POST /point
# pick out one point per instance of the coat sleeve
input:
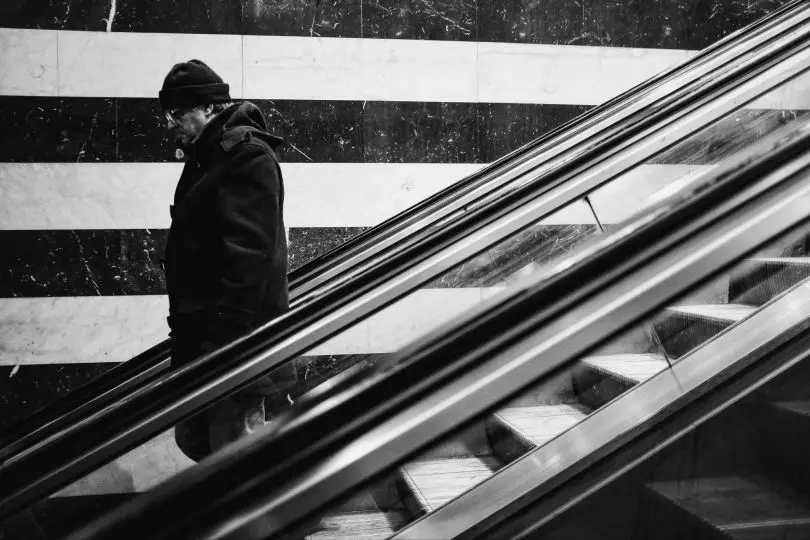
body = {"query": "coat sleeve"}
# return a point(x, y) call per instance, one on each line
point(248, 217)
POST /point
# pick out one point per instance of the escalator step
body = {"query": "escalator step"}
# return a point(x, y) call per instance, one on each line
point(728, 313)
point(758, 280)
point(684, 328)
point(634, 368)
point(542, 423)
point(359, 525)
point(736, 504)
point(598, 380)
point(437, 481)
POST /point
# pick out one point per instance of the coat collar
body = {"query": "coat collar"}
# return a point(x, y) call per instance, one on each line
point(211, 136)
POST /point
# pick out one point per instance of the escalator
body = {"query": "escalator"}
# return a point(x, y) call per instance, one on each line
point(662, 397)
point(599, 127)
point(730, 115)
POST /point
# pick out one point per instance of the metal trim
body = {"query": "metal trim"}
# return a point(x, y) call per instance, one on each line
point(561, 342)
point(263, 362)
point(706, 60)
point(395, 288)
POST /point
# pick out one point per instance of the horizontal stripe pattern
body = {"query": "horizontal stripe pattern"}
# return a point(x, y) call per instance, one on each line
point(49, 129)
point(121, 262)
point(689, 24)
point(61, 63)
point(75, 329)
point(87, 171)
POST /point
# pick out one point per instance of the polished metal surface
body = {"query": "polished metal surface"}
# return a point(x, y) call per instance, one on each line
point(561, 342)
point(555, 152)
point(382, 296)
point(770, 325)
point(405, 282)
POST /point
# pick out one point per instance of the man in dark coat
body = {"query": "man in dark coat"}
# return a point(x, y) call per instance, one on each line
point(226, 253)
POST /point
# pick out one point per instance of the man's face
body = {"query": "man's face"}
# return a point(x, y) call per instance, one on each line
point(186, 124)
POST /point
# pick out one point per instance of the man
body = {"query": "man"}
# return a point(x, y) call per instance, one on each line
point(226, 253)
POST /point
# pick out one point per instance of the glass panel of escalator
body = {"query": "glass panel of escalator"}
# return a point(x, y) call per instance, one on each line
point(522, 427)
point(548, 411)
point(741, 474)
point(771, 115)
point(692, 75)
point(366, 342)
point(93, 392)
point(530, 250)
point(730, 464)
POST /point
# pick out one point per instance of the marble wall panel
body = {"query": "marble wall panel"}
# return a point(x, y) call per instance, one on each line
point(41, 263)
point(29, 62)
point(41, 196)
point(682, 24)
point(133, 130)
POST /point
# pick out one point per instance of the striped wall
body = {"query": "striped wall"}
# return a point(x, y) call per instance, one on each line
point(382, 103)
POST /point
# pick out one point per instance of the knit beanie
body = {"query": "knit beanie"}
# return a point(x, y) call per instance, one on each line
point(192, 83)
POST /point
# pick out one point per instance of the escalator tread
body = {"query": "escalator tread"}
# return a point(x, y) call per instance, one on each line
point(782, 260)
point(633, 367)
point(440, 480)
point(724, 312)
point(367, 525)
point(541, 423)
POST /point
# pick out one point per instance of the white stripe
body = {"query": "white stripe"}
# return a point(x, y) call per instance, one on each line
point(70, 330)
point(43, 196)
point(137, 195)
point(124, 64)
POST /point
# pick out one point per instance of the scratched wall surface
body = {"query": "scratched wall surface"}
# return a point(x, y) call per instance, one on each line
point(382, 103)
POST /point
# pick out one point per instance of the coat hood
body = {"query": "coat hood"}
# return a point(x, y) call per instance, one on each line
point(246, 117)
point(238, 122)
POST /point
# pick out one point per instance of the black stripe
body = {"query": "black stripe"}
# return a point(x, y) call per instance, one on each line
point(35, 386)
point(689, 24)
point(32, 387)
point(59, 263)
point(49, 129)
point(40, 129)
point(306, 243)
point(114, 262)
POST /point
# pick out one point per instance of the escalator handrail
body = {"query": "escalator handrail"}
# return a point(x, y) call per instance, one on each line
point(319, 429)
point(49, 419)
point(161, 403)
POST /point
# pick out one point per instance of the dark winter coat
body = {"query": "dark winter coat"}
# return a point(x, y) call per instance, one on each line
point(226, 253)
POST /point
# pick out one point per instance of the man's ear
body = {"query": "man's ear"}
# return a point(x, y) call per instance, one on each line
point(209, 110)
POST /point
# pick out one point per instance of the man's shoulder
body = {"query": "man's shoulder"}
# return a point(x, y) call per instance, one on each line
point(245, 138)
